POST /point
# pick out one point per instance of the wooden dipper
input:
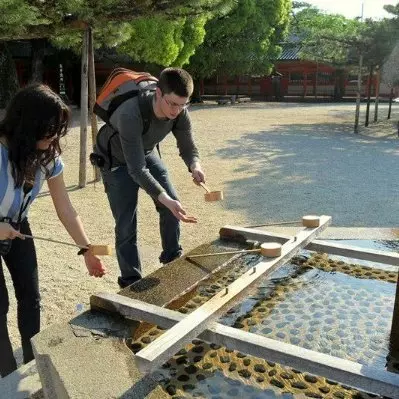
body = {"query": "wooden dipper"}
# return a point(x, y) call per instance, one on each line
point(94, 249)
point(311, 221)
point(211, 196)
point(268, 249)
point(100, 249)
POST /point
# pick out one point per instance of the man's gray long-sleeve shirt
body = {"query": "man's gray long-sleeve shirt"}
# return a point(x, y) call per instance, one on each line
point(130, 146)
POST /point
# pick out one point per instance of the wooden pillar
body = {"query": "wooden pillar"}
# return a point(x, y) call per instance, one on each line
point(92, 97)
point(305, 83)
point(84, 110)
point(316, 81)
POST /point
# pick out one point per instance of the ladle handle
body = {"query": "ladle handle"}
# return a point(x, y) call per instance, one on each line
point(204, 187)
point(56, 241)
point(273, 224)
point(243, 251)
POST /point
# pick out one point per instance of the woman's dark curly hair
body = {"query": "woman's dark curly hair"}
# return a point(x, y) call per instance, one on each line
point(33, 114)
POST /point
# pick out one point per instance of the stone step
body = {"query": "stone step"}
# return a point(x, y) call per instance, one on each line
point(22, 383)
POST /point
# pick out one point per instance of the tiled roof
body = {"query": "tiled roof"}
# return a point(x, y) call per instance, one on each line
point(290, 52)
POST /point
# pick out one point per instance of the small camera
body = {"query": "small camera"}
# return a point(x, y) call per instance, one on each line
point(97, 160)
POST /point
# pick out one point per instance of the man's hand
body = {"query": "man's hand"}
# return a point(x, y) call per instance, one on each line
point(7, 231)
point(197, 173)
point(176, 208)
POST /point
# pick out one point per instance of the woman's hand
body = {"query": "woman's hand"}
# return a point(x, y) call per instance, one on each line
point(176, 208)
point(7, 231)
point(94, 264)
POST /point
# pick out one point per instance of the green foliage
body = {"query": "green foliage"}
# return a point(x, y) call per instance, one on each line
point(192, 35)
point(109, 34)
point(17, 15)
point(334, 39)
point(164, 41)
point(390, 69)
point(327, 38)
point(394, 10)
point(49, 16)
point(245, 41)
point(164, 32)
point(379, 39)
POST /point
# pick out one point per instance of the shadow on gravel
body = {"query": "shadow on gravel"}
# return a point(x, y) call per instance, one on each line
point(315, 168)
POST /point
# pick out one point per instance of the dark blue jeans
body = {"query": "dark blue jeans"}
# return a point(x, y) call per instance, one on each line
point(122, 192)
point(22, 264)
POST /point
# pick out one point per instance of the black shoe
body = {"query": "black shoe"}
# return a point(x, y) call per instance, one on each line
point(179, 255)
point(125, 282)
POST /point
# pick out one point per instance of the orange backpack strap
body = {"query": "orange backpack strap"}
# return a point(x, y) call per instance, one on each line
point(120, 76)
point(121, 85)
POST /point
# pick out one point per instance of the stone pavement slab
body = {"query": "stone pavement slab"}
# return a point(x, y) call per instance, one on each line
point(22, 383)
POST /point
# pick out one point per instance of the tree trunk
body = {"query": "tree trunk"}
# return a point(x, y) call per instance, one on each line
point(8, 75)
point(369, 96)
point(339, 88)
point(377, 94)
point(390, 104)
point(84, 110)
point(38, 48)
point(359, 93)
point(196, 96)
point(92, 98)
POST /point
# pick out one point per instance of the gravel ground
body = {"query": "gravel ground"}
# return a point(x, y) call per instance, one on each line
point(274, 162)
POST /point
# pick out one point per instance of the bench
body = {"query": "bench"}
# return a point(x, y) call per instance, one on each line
point(243, 99)
point(232, 99)
point(223, 101)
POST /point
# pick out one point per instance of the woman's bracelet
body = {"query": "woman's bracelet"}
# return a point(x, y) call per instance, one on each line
point(82, 251)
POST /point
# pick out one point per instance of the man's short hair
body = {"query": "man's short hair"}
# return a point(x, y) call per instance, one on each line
point(176, 80)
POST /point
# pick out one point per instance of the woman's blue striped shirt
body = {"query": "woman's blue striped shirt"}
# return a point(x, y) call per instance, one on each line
point(12, 199)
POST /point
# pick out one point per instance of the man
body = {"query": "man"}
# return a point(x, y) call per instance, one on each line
point(136, 164)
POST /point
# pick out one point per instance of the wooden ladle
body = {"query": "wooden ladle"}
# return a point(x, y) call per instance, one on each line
point(211, 196)
point(268, 249)
point(94, 249)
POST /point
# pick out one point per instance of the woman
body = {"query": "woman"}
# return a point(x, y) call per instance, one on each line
point(30, 133)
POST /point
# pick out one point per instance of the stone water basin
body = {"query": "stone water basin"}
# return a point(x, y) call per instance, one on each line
point(329, 304)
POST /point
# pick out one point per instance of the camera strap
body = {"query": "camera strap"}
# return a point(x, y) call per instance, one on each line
point(25, 202)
